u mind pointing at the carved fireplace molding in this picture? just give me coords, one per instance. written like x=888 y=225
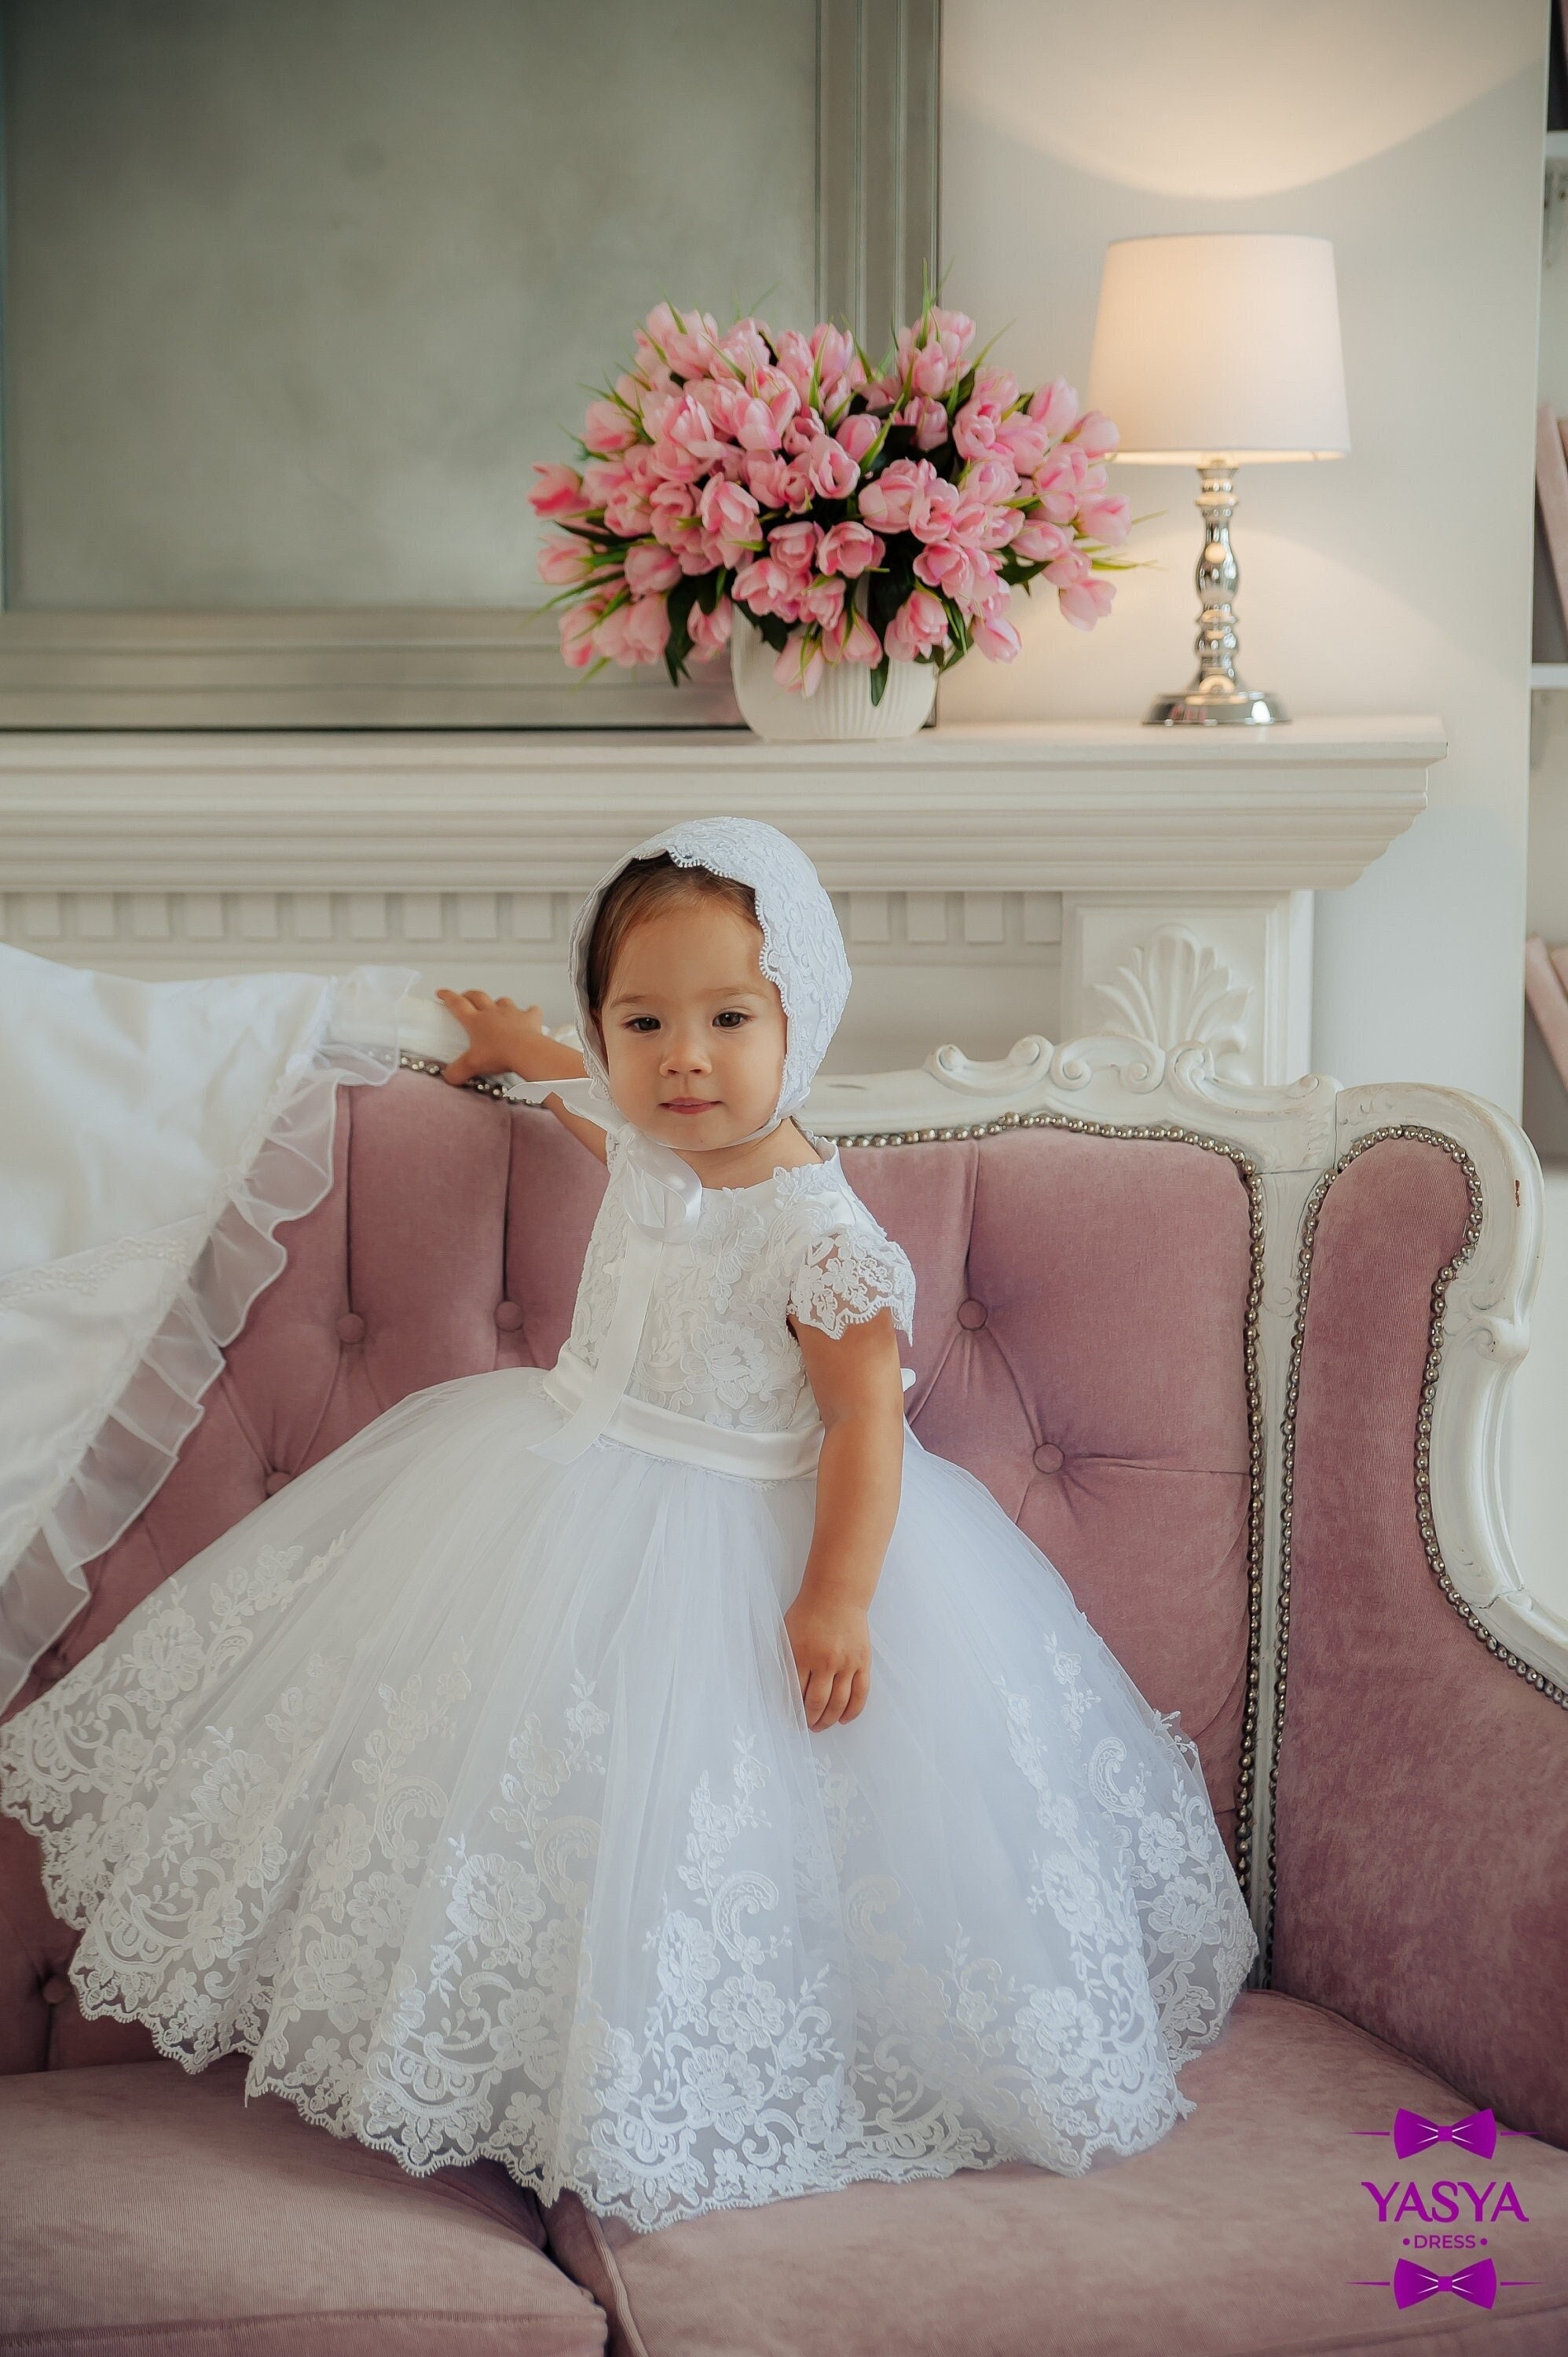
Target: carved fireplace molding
x=1165 y=877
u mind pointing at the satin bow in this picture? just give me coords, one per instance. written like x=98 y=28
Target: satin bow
x=1477 y=2133
x=1414 y=2283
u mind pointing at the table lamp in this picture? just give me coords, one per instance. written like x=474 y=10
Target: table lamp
x=1209 y=350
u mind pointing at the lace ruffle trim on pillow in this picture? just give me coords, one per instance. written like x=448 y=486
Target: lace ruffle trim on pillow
x=126 y=1441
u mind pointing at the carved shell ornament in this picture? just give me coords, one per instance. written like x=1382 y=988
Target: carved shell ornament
x=1174 y=993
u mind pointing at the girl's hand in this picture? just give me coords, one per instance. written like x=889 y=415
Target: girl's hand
x=505 y=1038
x=831 y=1645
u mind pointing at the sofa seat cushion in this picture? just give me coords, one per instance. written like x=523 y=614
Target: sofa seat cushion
x=1245 y=2230
x=143 y=2208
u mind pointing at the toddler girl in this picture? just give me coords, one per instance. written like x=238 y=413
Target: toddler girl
x=656 y=1773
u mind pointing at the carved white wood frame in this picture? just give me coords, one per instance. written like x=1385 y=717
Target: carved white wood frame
x=1293 y=1135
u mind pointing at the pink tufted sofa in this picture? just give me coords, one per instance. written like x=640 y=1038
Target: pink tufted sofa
x=1393 y=1783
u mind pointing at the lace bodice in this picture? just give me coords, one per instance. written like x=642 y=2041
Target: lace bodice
x=716 y=1343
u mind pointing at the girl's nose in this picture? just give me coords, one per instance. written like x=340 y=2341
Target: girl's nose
x=687 y=1052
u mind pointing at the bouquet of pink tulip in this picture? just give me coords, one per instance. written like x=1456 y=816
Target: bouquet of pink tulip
x=854 y=516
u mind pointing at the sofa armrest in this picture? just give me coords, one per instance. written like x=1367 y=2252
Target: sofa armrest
x=1421 y=1803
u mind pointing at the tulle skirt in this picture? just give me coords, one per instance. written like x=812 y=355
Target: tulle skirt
x=472 y=1795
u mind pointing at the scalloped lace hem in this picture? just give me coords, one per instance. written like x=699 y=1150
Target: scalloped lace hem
x=549 y=2184
x=140 y=1422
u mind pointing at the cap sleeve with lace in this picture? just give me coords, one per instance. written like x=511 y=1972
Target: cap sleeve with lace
x=849 y=1271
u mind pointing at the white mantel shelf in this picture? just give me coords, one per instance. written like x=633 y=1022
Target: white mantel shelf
x=1068 y=806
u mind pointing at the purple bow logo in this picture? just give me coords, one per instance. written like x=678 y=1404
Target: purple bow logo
x=1477 y=2133
x=1412 y=2283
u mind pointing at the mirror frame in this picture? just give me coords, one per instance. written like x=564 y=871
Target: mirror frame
x=879 y=97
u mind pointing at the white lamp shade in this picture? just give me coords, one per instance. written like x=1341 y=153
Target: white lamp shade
x=1221 y=346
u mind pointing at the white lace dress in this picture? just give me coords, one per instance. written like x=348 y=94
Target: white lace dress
x=471 y=1794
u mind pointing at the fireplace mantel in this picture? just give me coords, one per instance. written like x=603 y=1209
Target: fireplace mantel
x=1125 y=875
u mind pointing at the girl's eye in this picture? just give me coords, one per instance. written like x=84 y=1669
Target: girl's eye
x=642 y=1023
x=731 y=1017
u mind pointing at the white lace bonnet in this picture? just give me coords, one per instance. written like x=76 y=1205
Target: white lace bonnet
x=803 y=948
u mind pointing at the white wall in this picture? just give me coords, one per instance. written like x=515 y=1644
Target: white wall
x=1398 y=579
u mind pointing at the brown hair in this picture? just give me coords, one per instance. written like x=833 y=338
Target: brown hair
x=639 y=892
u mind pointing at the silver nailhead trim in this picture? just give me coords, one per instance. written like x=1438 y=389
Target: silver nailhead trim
x=1427 y=1527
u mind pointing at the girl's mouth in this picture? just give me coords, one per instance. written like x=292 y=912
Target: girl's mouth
x=690 y=1104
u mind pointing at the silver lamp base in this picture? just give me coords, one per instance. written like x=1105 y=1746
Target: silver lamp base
x=1216 y=698
x=1215 y=703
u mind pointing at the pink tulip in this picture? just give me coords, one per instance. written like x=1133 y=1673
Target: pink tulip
x=889 y=501
x=997 y=640
x=929 y=420
x=1003 y=525
x=774 y=481
x=947 y=567
x=796 y=360
x=834 y=351
x=766 y=586
x=1069 y=570
x=650 y=568
x=762 y=425
x=730 y=516
x=1105 y=518
x=690 y=428
x=686 y=341
x=628 y=511
x=635 y=633
x=799 y=667
x=1058 y=483
x=673 y=512
x=1055 y=406
x=794 y=546
x=824 y=604
x=917 y=628
x=1038 y=541
x=1094 y=434
x=748 y=346
x=607 y=428
x=711 y=632
x=974 y=429
x=832 y=471
x=563 y=563
x=991 y=480
x=699 y=553
x=859 y=435
x=850 y=549
x=803 y=429
x=860 y=643
x=1022 y=439
x=579 y=626
x=601 y=477
x=1086 y=602
x=558 y=492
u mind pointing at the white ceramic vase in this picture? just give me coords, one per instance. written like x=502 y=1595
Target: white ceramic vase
x=840 y=708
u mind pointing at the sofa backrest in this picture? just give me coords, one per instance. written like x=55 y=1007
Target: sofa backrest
x=1081 y=1344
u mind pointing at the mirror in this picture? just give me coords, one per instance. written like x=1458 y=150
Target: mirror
x=297 y=294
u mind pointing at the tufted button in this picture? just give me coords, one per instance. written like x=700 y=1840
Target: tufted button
x=1048 y=1457
x=509 y=1315
x=277 y=1479
x=48 y=1668
x=351 y=1328
x=971 y=1314
x=56 y=1989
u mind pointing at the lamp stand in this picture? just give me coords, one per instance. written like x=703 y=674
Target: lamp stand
x=1216 y=697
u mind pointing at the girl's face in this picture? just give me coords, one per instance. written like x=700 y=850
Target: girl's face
x=693 y=1031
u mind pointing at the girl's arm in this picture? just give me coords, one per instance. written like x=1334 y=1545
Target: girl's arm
x=859 y=1391
x=505 y=1038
